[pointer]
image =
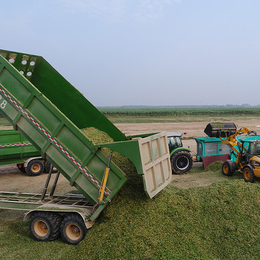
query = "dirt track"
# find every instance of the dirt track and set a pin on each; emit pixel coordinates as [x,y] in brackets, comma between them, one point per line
[12,180]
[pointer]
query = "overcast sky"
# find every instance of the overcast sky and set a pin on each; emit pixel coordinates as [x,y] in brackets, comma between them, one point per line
[144,52]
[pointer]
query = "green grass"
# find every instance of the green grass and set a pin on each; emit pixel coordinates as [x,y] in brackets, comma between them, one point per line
[153,111]
[130,119]
[219,221]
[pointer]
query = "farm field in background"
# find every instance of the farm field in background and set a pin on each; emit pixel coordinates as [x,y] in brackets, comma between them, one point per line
[161,115]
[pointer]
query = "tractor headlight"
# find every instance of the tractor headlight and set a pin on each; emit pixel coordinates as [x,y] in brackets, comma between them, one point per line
[255,163]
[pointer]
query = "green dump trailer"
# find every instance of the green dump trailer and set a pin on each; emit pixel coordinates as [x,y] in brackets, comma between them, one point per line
[16,149]
[51,113]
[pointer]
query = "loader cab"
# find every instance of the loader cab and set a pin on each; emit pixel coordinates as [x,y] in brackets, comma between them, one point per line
[174,140]
[255,148]
[250,148]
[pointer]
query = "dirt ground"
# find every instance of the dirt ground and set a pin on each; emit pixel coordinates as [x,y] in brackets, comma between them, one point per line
[192,129]
[12,180]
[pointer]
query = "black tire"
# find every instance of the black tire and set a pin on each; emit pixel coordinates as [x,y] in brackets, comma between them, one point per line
[47,167]
[181,162]
[45,226]
[21,168]
[73,229]
[228,168]
[248,174]
[34,168]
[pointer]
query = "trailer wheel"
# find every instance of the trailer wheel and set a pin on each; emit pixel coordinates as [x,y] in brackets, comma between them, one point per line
[248,174]
[34,168]
[181,162]
[45,226]
[228,168]
[47,167]
[73,229]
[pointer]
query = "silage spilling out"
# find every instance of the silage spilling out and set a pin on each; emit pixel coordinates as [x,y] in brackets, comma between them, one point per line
[97,136]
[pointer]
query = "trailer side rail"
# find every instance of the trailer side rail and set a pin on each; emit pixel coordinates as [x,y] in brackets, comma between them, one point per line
[29,201]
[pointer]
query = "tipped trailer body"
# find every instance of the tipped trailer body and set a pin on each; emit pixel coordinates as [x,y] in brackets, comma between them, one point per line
[51,113]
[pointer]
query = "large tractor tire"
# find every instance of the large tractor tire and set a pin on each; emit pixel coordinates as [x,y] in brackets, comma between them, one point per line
[73,229]
[228,168]
[34,168]
[248,174]
[181,162]
[45,226]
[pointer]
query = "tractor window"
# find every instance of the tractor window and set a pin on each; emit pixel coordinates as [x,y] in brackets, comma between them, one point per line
[211,149]
[178,141]
[174,142]
[223,149]
[255,149]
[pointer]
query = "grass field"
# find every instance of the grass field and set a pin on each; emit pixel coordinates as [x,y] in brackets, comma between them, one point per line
[202,215]
[218,221]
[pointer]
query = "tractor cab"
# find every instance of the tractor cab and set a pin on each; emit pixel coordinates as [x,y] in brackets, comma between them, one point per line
[181,160]
[174,140]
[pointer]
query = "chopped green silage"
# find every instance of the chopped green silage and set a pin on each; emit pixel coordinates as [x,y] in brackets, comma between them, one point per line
[96,136]
[213,167]
[99,137]
[219,221]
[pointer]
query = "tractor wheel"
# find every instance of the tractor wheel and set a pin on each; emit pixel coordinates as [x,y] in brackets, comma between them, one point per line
[181,162]
[248,174]
[21,168]
[73,229]
[45,226]
[48,166]
[34,168]
[228,168]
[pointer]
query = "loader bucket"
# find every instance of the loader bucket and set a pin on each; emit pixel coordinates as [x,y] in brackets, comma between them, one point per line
[220,129]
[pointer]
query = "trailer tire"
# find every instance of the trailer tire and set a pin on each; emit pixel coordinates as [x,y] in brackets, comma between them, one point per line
[45,226]
[34,168]
[47,167]
[181,162]
[228,168]
[73,229]
[248,174]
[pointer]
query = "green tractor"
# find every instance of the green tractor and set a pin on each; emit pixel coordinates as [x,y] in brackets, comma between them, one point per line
[181,159]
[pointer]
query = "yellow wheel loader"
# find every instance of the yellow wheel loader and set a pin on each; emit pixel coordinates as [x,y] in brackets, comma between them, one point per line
[245,149]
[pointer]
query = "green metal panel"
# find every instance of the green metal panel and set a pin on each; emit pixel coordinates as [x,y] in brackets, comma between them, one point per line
[15,148]
[59,91]
[50,112]
[54,135]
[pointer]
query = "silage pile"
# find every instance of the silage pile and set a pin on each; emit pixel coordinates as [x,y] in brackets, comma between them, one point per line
[211,222]
[214,167]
